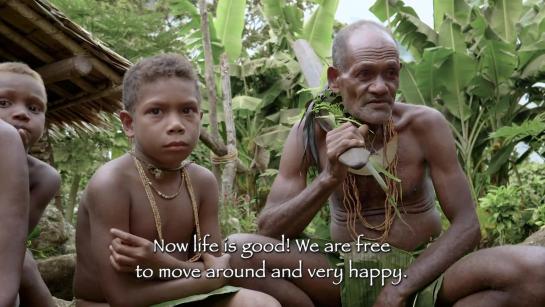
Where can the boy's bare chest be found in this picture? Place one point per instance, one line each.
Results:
(174, 217)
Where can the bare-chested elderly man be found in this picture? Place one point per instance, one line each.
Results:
(416, 144)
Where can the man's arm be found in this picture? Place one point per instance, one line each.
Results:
(291, 205)
(14, 201)
(454, 195)
(109, 207)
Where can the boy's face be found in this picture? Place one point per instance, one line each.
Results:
(166, 120)
(23, 105)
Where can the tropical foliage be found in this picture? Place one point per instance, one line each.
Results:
(479, 66)
(481, 71)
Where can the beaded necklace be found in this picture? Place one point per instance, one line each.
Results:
(156, 215)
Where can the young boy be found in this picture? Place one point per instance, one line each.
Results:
(152, 194)
(23, 102)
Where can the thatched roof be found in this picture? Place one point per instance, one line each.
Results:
(83, 77)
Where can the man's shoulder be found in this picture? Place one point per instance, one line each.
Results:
(418, 118)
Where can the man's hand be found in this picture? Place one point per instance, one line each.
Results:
(338, 141)
(390, 296)
(128, 251)
(215, 263)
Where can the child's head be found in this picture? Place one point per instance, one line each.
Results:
(23, 100)
(162, 108)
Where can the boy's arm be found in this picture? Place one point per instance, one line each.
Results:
(109, 207)
(14, 198)
(45, 181)
(206, 191)
(129, 250)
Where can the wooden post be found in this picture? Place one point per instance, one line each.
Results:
(209, 79)
(230, 168)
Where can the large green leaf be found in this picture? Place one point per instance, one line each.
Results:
(229, 24)
(529, 52)
(273, 13)
(497, 61)
(383, 9)
(535, 67)
(427, 71)
(318, 31)
(294, 18)
(450, 36)
(456, 73)
(184, 7)
(273, 137)
(408, 28)
(499, 159)
(408, 85)
(457, 10)
(246, 103)
(503, 18)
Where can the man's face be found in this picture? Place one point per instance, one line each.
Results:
(23, 105)
(166, 121)
(370, 77)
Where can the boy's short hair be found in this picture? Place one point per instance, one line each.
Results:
(151, 69)
(23, 69)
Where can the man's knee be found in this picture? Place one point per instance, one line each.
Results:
(240, 240)
(247, 297)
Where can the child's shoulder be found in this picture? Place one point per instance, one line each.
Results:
(113, 176)
(40, 171)
(201, 176)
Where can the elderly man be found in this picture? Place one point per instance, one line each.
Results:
(414, 146)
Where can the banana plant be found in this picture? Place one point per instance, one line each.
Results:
(478, 66)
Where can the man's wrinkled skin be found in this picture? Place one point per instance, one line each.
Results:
(428, 169)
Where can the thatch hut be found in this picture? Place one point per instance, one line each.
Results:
(83, 77)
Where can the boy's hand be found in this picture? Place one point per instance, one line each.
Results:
(128, 251)
(215, 263)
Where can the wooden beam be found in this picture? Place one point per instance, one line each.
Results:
(66, 103)
(7, 56)
(25, 43)
(59, 90)
(62, 38)
(70, 68)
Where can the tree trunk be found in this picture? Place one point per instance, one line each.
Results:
(209, 80)
(230, 169)
(72, 198)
